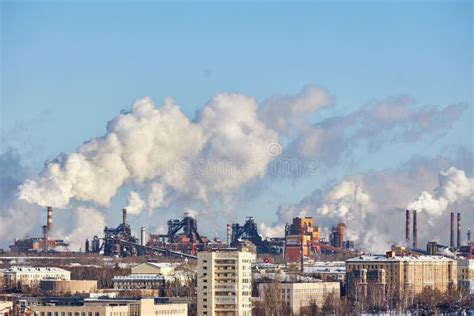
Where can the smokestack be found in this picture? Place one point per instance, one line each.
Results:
(341, 230)
(228, 235)
(45, 238)
(468, 235)
(49, 221)
(143, 236)
(458, 237)
(124, 216)
(451, 241)
(407, 227)
(415, 231)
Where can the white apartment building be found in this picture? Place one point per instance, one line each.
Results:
(31, 276)
(302, 294)
(225, 282)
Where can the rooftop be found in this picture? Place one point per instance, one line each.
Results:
(380, 258)
(35, 270)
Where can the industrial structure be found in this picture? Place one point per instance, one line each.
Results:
(120, 242)
(303, 239)
(249, 232)
(41, 244)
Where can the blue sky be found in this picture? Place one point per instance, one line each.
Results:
(69, 67)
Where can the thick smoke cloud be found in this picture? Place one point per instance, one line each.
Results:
(454, 186)
(225, 148)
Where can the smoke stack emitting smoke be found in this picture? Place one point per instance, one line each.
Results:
(458, 237)
(451, 232)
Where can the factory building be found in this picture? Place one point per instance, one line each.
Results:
(30, 276)
(225, 282)
(399, 273)
(299, 233)
(301, 294)
(107, 307)
(41, 244)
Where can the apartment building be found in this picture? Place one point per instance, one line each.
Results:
(300, 294)
(225, 282)
(32, 276)
(110, 307)
(466, 274)
(399, 273)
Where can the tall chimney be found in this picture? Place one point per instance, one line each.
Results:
(451, 241)
(407, 227)
(415, 231)
(124, 216)
(468, 235)
(228, 235)
(458, 237)
(143, 236)
(49, 222)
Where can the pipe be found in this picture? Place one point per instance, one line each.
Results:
(49, 219)
(124, 216)
(407, 227)
(451, 240)
(415, 231)
(143, 236)
(458, 237)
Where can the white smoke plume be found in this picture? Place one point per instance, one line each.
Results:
(87, 223)
(372, 204)
(135, 204)
(454, 185)
(225, 148)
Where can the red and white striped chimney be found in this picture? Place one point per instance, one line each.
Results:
(49, 218)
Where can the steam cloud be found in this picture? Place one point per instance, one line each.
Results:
(225, 148)
(454, 185)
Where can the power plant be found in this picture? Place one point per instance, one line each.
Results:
(456, 246)
(41, 244)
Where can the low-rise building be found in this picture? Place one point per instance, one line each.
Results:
(138, 281)
(301, 294)
(327, 271)
(399, 274)
(107, 307)
(68, 286)
(31, 276)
